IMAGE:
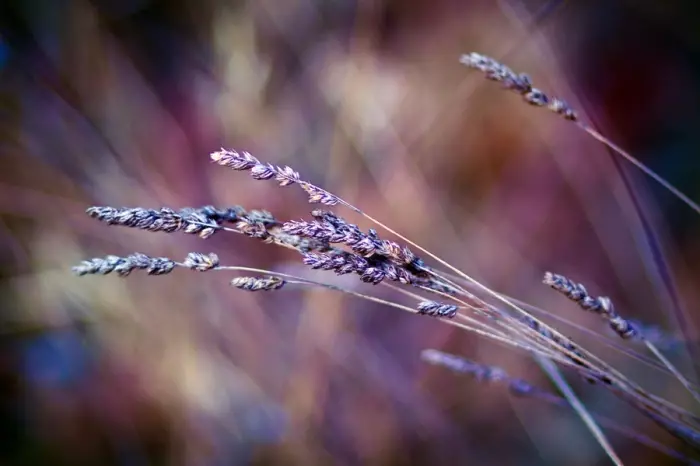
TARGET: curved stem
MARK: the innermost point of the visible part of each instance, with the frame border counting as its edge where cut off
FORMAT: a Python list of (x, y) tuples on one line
[(305, 281), (647, 171), (556, 377), (603, 339), (672, 368)]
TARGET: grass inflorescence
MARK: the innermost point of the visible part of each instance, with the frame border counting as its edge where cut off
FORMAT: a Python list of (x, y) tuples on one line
[(329, 242)]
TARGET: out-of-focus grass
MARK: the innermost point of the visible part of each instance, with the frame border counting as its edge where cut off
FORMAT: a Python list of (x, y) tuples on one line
[(119, 104)]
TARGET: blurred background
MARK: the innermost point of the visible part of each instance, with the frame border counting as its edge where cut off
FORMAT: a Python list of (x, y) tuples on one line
[(119, 102)]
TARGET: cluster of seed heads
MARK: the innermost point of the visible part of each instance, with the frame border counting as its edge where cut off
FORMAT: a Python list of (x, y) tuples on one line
[(204, 221), (262, 224), (519, 83), (333, 229), (371, 257), (370, 271), (165, 219), (435, 309), (258, 283), (602, 306), (303, 245), (310, 238), (244, 161), (124, 265)]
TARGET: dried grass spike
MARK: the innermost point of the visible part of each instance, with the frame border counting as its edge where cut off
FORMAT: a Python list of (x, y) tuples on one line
[(253, 229), (124, 265), (201, 262), (258, 283), (286, 176), (602, 305), (234, 160), (318, 195), (260, 216), (263, 171), (436, 309), (195, 221), (372, 275), (520, 83)]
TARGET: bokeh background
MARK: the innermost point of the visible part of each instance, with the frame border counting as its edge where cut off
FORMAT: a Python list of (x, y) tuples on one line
[(119, 102)]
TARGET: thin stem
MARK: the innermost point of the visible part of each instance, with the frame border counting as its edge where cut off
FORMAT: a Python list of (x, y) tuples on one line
[(520, 328), (643, 397), (648, 171), (635, 390), (542, 349), (440, 278), (481, 287), (614, 426), (305, 281), (443, 280), (516, 328), (556, 377), (603, 339), (672, 368)]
